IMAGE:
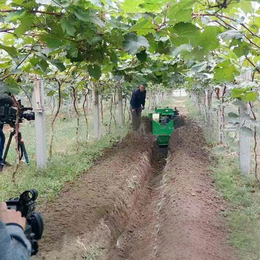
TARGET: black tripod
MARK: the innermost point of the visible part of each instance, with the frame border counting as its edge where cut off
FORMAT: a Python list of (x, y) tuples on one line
[(21, 148)]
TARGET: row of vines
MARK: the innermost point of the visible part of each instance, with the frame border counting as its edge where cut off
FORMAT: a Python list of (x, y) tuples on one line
[(107, 48)]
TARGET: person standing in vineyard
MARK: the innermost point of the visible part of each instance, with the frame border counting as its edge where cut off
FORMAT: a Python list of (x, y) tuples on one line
[(5, 101), (137, 105)]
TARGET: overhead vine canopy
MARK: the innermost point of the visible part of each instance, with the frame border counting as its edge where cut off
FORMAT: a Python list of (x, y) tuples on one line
[(160, 41)]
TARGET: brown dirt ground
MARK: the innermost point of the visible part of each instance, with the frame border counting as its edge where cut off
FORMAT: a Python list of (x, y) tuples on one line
[(136, 205), (91, 212), (191, 224), (178, 216)]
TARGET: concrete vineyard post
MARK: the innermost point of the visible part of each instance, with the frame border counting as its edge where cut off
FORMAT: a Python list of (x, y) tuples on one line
[(244, 141), (38, 105)]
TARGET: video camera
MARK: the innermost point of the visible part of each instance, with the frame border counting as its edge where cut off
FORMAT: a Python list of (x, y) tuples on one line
[(8, 113), (34, 222)]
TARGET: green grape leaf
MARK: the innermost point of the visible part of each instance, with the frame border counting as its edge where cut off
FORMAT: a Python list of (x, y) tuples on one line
[(26, 23), (4, 64), (182, 49), (251, 96), (10, 50), (180, 12), (13, 16), (8, 39), (143, 27), (94, 71), (184, 33), (51, 93), (58, 64), (225, 71), (208, 39), (88, 17), (233, 115), (130, 6), (199, 67), (238, 93), (52, 41), (142, 56), (241, 48), (67, 26), (132, 43), (43, 65)]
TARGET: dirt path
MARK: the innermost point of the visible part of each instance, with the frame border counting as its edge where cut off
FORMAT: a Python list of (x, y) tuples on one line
[(141, 203)]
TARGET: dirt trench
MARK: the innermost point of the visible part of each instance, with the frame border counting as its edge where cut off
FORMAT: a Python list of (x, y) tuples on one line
[(141, 202)]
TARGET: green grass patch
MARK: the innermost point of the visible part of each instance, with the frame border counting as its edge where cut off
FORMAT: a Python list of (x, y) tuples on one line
[(243, 194), (62, 168)]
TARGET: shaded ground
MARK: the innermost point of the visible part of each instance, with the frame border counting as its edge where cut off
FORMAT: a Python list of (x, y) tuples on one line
[(136, 205)]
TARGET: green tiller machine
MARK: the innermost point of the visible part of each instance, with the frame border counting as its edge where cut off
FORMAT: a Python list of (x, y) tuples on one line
[(163, 124)]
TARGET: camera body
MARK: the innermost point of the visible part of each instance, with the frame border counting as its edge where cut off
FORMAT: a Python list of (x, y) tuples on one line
[(8, 113), (34, 223)]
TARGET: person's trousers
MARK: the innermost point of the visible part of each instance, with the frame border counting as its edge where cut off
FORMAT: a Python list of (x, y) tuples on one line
[(2, 141), (136, 118)]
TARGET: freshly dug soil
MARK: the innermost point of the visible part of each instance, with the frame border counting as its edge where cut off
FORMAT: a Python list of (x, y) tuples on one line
[(147, 124), (178, 216), (191, 225), (179, 121), (141, 202), (91, 212)]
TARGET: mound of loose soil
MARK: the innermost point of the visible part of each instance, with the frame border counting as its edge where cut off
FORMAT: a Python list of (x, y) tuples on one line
[(189, 139), (91, 212), (147, 124), (179, 121), (178, 215), (136, 205), (191, 226)]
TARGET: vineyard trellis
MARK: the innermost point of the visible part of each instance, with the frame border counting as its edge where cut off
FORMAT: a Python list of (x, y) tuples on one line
[(204, 46)]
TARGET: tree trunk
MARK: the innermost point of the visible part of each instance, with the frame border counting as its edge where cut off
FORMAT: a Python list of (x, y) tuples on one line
[(84, 106), (75, 100), (54, 119), (221, 123), (111, 115), (210, 119), (86, 100), (101, 109), (114, 107), (120, 107), (97, 132)]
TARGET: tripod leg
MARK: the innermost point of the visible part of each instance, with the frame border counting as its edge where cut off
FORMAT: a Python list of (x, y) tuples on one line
[(8, 145)]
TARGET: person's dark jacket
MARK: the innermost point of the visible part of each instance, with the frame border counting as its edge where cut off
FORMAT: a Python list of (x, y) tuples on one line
[(138, 99)]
